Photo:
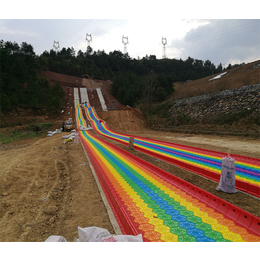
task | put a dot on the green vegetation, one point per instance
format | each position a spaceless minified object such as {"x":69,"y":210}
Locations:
{"x":20,"y":85}
{"x":10,"y":136}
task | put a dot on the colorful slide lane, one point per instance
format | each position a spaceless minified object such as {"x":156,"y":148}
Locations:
{"x":201,"y":161}
{"x":148,"y":200}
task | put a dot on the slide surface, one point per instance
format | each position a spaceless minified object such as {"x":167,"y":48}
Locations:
{"x":162,"y":207}
{"x":201,"y":161}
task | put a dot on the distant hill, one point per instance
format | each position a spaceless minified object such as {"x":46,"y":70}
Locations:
{"x":242,"y":75}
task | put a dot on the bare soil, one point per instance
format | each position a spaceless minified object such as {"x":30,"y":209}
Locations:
{"x":47,"y":187}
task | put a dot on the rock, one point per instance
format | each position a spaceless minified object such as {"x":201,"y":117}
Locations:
{"x":50,"y":210}
{"x":233,"y":100}
{"x":51,"y":220}
{"x":5,"y":194}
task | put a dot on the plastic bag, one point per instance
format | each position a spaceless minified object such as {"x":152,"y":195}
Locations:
{"x":68,"y":140}
{"x":55,"y":239}
{"x":82,"y":128}
{"x":96,"y":234}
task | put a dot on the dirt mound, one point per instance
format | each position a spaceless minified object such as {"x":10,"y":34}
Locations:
{"x":123,"y":120}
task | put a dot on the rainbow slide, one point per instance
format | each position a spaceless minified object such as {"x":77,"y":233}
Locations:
{"x":160,"y":206}
{"x":201,"y":161}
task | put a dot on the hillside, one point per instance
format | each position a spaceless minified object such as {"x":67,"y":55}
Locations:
{"x":123,"y":118}
{"x":228,"y":105}
{"x":243,"y":75}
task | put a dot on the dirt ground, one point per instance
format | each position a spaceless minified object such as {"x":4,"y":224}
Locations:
{"x":246,"y":146}
{"x":47,"y":187}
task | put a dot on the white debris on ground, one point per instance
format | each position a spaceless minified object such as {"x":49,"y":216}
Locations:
{"x":96,"y":234}
{"x":71,"y":135}
{"x":50,"y":133}
{"x":218,"y":76}
{"x":83,"y":128}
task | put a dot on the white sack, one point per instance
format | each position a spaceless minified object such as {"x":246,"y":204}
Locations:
{"x":96,"y":234}
{"x":55,"y":239}
{"x":227,"y":182}
{"x":69,"y":136}
{"x":81,"y":127}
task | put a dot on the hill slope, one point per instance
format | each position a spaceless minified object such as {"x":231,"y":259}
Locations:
{"x":243,"y":75}
{"x":220,"y":106}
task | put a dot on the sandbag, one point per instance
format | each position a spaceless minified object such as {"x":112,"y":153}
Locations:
{"x":227,"y":182}
{"x":68,"y":140}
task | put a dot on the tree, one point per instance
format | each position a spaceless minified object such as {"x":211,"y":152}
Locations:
{"x":89,"y":50}
{"x":219,"y":67}
{"x":27,"y":49}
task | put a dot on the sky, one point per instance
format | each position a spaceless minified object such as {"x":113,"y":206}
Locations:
{"x":223,"y":38}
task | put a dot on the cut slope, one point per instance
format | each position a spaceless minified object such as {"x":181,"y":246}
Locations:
{"x":124,"y":120}
{"x":243,"y":75}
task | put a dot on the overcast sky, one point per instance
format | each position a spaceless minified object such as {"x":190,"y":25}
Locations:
{"x":224,"y":40}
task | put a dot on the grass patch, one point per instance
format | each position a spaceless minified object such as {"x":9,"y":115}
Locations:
{"x":244,"y":117}
{"x":13,"y":135}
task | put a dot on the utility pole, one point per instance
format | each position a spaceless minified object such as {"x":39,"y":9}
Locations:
{"x":125,"y":42}
{"x":56,"y":46}
{"x":164,"y":42}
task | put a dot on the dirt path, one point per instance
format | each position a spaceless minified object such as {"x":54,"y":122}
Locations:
{"x":245,"y":146}
{"x":47,"y":188}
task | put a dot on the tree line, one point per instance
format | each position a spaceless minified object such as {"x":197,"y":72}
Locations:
{"x":20,"y":84}
{"x":134,"y":80}
{"x":100,"y":65}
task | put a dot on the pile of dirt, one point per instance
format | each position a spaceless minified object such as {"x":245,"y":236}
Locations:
{"x":124,"y":120}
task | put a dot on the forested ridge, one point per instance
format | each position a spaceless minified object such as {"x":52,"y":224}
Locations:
{"x":20,"y":84}
{"x":134,"y":80}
